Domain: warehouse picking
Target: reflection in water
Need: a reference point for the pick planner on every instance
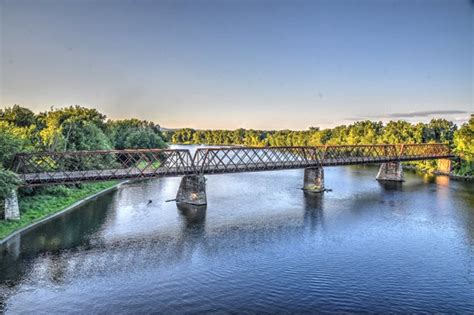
(390, 185)
(260, 240)
(314, 215)
(194, 215)
(68, 231)
(442, 180)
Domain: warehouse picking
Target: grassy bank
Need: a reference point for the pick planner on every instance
(37, 206)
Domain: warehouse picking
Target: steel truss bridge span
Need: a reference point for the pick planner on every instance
(42, 168)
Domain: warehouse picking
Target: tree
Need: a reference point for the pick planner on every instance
(464, 140)
(441, 130)
(54, 132)
(12, 140)
(143, 139)
(399, 132)
(8, 182)
(80, 135)
(130, 133)
(18, 116)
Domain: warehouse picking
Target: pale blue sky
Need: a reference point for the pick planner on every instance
(252, 64)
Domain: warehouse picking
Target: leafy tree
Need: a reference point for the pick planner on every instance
(143, 138)
(18, 116)
(131, 133)
(464, 147)
(56, 125)
(399, 132)
(464, 140)
(8, 182)
(79, 135)
(440, 130)
(12, 140)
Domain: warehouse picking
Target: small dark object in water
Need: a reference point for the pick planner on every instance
(328, 189)
(149, 201)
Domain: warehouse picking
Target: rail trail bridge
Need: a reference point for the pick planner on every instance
(43, 168)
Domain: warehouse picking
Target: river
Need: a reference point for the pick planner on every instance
(260, 245)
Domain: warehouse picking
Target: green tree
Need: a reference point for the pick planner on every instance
(440, 130)
(18, 116)
(80, 135)
(464, 140)
(143, 138)
(13, 139)
(8, 182)
(399, 132)
(130, 133)
(464, 147)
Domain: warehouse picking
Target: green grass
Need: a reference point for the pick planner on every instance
(36, 207)
(145, 164)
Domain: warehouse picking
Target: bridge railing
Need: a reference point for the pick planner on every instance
(355, 154)
(251, 159)
(248, 159)
(44, 167)
(423, 151)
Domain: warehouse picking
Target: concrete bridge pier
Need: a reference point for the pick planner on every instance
(192, 190)
(391, 171)
(444, 166)
(12, 210)
(313, 179)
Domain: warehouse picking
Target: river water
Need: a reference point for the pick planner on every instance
(260, 245)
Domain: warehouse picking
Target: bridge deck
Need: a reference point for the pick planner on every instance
(69, 167)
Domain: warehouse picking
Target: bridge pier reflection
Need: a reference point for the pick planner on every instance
(314, 213)
(390, 185)
(194, 215)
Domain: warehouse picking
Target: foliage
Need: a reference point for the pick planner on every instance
(134, 133)
(13, 139)
(464, 147)
(18, 116)
(84, 135)
(56, 125)
(8, 182)
(71, 129)
(464, 140)
(143, 138)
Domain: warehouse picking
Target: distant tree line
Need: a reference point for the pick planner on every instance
(461, 140)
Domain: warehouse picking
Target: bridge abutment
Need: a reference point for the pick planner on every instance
(192, 190)
(12, 210)
(313, 179)
(391, 171)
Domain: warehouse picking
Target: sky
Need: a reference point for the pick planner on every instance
(241, 64)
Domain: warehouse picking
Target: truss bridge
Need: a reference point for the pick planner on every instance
(40, 168)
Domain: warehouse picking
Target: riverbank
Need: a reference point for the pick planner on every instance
(41, 207)
(437, 173)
